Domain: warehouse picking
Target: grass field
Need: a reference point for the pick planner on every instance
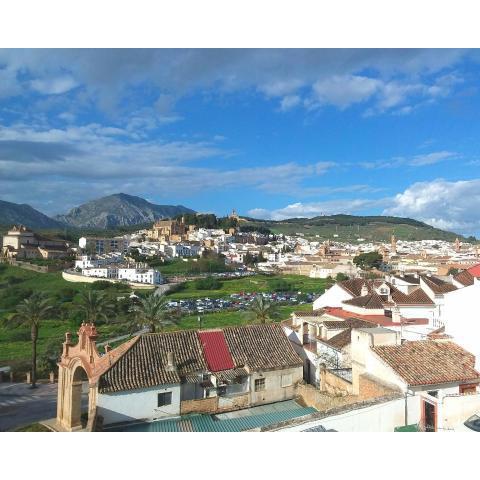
(15, 345)
(254, 284)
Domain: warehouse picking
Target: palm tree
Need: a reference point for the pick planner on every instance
(95, 306)
(31, 312)
(261, 310)
(154, 312)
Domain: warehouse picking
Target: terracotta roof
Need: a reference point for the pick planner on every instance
(144, 363)
(475, 270)
(263, 346)
(412, 279)
(215, 350)
(429, 362)
(347, 323)
(381, 320)
(417, 297)
(310, 313)
(340, 340)
(437, 285)
(344, 338)
(465, 278)
(371, 301)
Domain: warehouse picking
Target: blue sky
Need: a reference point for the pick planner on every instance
(273, 133)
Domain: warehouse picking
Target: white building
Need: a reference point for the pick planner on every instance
(460, 316)
(132, 273)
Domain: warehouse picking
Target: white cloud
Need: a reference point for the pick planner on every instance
(105, 160)
(54, 86)
(432, 158)
(314, 209)
(443, 204)
(289, 102)
(414, 161)
(316, 76)
(343, 91)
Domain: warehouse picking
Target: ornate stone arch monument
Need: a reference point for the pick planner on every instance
(78, 363)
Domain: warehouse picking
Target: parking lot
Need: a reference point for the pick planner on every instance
(237, 301)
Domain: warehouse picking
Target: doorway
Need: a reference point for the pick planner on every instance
(79, 409)
(429, 415)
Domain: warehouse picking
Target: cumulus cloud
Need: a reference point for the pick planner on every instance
(443, 204)
(54, 86)
(310, 76)
(77, 162)
(314, 209)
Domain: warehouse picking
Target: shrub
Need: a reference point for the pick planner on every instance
(208, 283)
(100, 285)
(280, 285)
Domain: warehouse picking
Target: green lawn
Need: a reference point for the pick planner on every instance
(254, 284)
(33, 427)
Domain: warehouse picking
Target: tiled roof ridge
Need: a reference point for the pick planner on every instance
(112, 352)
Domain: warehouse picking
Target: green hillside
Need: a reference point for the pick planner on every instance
(350, 228)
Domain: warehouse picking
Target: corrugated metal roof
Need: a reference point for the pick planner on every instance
(208, 423)
(216, 351)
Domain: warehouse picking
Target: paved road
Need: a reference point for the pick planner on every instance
(21, 405)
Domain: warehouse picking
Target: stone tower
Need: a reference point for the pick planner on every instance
(393, 244)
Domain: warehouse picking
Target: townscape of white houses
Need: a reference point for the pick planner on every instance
(398, 347)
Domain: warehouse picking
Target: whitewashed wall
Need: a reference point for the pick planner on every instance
(460, 315)
(382, 417)
(137, 404)
(333, 297)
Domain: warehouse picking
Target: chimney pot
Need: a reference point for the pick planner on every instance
(107, 348)
(171, 367)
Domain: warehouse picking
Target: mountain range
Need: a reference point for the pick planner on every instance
(118, 210)
(122, 210)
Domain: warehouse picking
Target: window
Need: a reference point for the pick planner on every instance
(286, 380)
(164, 399)
(259, 384)
(467, 389)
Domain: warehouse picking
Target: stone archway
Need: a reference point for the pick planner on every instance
(77, 365)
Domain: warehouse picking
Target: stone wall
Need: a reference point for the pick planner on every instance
(214, 405)
(31, 266)
(370, 388)
(204, 405)
(333, 384)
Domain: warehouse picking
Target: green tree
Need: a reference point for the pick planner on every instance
(31, 312)
(452, 271)
(261, 310)
(153, 312)
(95, 306)
(340, 277)
(369, 260)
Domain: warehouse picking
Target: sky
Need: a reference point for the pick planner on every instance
(272, 133)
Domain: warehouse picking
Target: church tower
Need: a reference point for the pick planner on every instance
(393, 245)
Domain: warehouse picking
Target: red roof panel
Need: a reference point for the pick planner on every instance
(475, 270)
(216, 351)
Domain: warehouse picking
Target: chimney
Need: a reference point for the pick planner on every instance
(415, 274)
(170, 367)
(396, 317)
(107, 348)
(364, 290)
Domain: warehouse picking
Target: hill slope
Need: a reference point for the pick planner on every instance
(351, 227)
(15, 213)
(118, 210)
